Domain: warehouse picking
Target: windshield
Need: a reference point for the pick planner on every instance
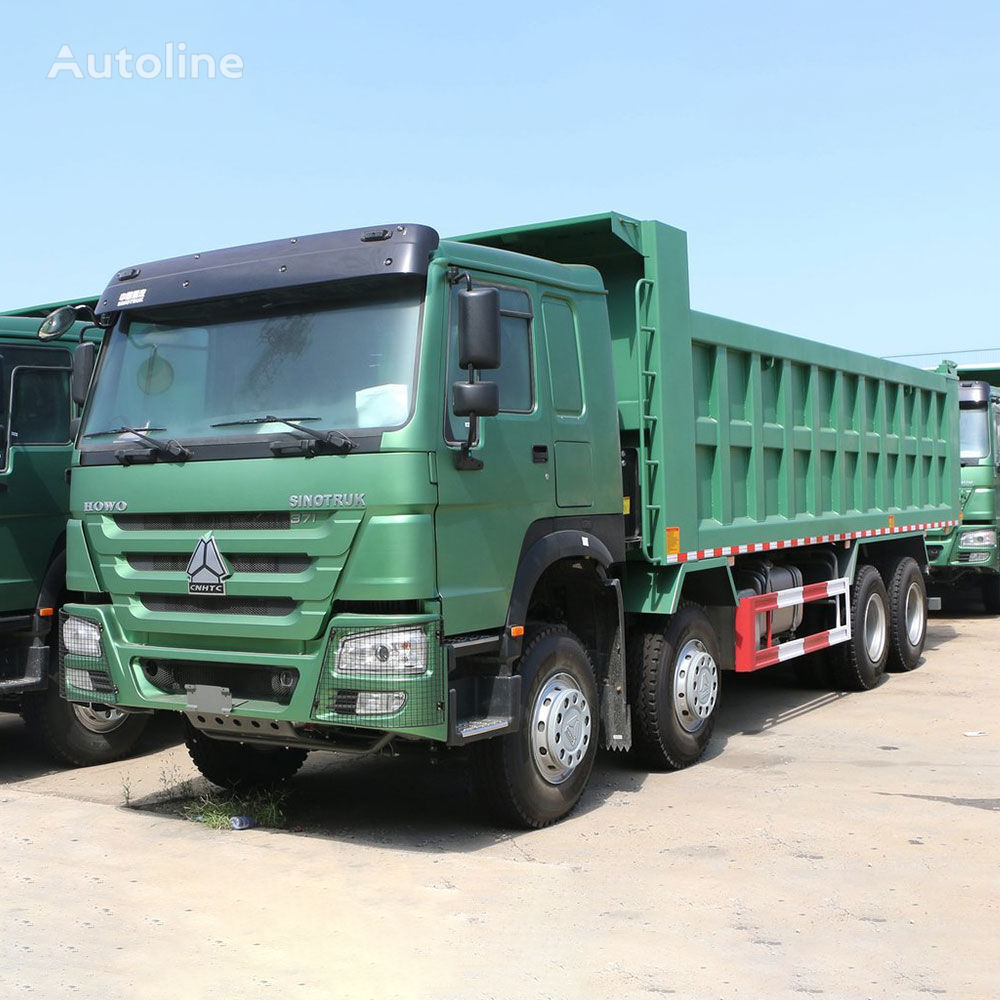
(973, 434)
(348, 366)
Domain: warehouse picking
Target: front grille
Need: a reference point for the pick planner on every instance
(277, 520)
(243, 680)
(180, 604)
(378, 607)
(933, 551)
(169, 562)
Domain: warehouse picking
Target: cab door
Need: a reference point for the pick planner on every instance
(35, 450)
(484, 515)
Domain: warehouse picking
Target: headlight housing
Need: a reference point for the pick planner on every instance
(983, 539)
(81, 638)
(383, 652)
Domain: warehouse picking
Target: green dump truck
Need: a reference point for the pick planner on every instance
(36, 418)
(966, 556)
(505, 492)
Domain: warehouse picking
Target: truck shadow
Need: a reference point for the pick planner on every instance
(418, 802)
(21, 757)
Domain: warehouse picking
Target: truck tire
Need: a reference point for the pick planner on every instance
(674, 679)
(81, 735)
(859, 663)
(907, 614)
(535, 776)
(241, 766)
(989, 587)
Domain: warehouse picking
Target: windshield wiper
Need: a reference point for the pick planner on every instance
(171, 449)
(336, 439)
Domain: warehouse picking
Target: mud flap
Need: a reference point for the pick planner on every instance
(616, 713)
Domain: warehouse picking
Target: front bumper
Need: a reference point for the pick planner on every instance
(304, 689)
(948, 560)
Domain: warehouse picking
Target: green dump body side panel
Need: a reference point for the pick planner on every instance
(750, 435)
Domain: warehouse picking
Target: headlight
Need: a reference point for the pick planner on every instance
(81, 638)
(977, 539)
(383, 652)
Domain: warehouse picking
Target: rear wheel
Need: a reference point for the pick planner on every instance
(907, 614)
(859, 663)
(535, 776)
(241, 766)
(674, 680)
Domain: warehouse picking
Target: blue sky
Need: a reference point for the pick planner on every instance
(835, 165)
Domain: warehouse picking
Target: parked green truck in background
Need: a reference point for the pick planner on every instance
(968, 555)
(36, 414)
(506, 491)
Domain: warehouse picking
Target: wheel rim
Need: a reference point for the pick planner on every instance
(875, 631)
(696, 685)
(99, 718)
(915, 614)
(560, 728)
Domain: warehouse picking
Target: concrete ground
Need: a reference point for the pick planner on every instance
(841, 846)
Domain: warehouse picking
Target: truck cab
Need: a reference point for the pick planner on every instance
(967, 555)
(37, 426)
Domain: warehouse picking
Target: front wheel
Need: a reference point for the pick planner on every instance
(241, 766)
(81, 735)
(989, 587)
(674, 681)
(535, 776)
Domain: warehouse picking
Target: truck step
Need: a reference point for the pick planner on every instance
(473, 728)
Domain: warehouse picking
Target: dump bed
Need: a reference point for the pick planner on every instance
(744, 435)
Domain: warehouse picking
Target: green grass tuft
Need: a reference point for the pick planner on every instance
(214, 808)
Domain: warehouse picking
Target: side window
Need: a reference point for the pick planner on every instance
(514, 377)
(39, 406)
(564, 356)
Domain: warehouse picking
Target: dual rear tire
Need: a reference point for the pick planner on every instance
(888, 625)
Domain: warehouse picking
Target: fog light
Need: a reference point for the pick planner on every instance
(380, 702)
(79, 679)
(81, 638)
(978, 557)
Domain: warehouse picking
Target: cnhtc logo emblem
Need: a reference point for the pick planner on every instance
(206, 570)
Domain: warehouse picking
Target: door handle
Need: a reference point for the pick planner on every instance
(539, 453)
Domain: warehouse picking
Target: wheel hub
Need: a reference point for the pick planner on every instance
(560, 728)
(914, 614)
(696, 685)
(875, 628)
(99, 718)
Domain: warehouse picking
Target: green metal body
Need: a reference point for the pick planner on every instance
(35, 454)
(741, 436)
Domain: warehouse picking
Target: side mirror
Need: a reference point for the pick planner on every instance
(475, 399)
(83, 370)
(58, 322)
(479, 328)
